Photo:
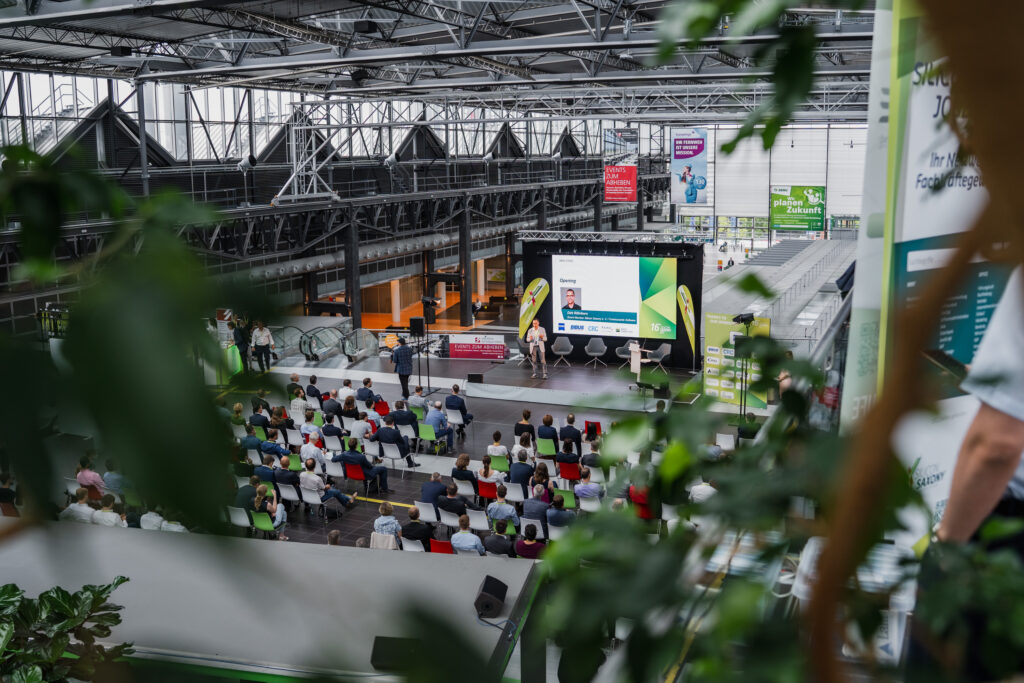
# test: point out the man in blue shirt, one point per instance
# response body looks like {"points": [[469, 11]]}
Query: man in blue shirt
{"points": [[586, 488], [271, 445], [520, 472], [249, 442], [499, 509], [436, 419], [366, 392], [402, 358], [390, 434], [464, 539], [455, 402], [265, 471], [370, 471], [433, 489]]}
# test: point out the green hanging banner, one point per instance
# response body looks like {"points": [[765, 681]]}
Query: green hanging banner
{"points": [[797, 207]]}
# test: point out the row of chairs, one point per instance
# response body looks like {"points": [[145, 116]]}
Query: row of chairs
{"points": [[596, 349]]}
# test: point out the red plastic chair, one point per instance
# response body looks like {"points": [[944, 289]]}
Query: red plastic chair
{"points": [[570, 471], [487, 489], [8, 510], [94, 493], [355, 473], [443, 547], [381, 408], [586, 426]]}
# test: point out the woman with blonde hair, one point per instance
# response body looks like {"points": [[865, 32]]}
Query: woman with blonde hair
{"points": [[236, 415], [386, 523], [269, 505]]}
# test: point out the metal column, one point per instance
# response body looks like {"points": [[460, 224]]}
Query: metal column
{"points": [[598, 213], [542, 211], [140, 94], [352, 292], [465, 266], [510, 285], [309, 291], [615, 222], [640, 211], [21, 109], [672, 213]]}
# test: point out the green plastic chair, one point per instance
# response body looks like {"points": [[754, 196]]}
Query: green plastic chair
{"points": [[510, 530], [546, 447], [500, 463], [569, 496], [418, 412], [131, 498], [295, 463], [260, 434], [262, 522], [318, 419], [427, 434]]}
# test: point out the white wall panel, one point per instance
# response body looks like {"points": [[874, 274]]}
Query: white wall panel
{"points": [[846, 151], [743, 178], [798, 156]]}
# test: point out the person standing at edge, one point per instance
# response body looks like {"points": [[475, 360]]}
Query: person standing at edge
{"points": [[240, 342], [401, 356], [262, 343], [535, 337]]}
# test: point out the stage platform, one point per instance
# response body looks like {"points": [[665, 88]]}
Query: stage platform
{"points": [[574, 385]]}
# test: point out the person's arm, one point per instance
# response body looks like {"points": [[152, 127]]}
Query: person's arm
{"points": [[271, 338], [989, 455]]}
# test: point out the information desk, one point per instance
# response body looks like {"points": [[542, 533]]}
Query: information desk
{"points": [[266, 607]]}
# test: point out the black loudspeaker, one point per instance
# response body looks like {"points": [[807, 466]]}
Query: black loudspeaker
{"points": [[491, 598], [394, 654], [416, 326], [743, 345], [475, 378], [430, 315], [120, 51]]}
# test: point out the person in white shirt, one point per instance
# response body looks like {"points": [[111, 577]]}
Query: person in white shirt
{"points": [[262, 343], [79, 511], [106, 516], [151, 521], [311, 481], [535, 337], [309, 427], [298, 407], [345, 391], [523, 446], [310, 451], [360, 428], [703, 491], [488, 473], [417, 399], [173, 525], [497, 449]]}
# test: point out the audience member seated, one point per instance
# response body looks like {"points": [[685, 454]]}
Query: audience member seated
{"points": [[330, 405], [309, 428], [704, 490], [266, 501], [259, 402], [455, 402], [498, 543], [372, 415], [349, 409], [436, 419], [537, 507], [370, 470], [593, 458], [245, 494], [283, 475], [500, 509], [417, 400], [541, 477], [416, 530], [80, 510], [366, 392], [271, 446], [390, 434], [521, 471], [404, 417], [311, 389], [497, 449], [433, 489], [222, 408], [524, 446], [586, 489], [346, 390], [386, 523], [154, 521], [547, 431], [236, 415], [361, 427], [88, 478], [488, 473], [454, 503], [568, 453], [106, 516], [525, 427], [528, 546], [558, 515], [293, 385], [311, 481], [249, 442], [570, 433], [171, 523], [278, 421], [331, 427], [591, 434], [113, 481], [299, 405], [258, 419], [461, 470], [310, 451], [749, 428], [464, 539], [265, 471], [334, 537]]}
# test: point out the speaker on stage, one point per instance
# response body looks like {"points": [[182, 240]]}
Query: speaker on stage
{"points": [[417, 327], [491, 598], [475, 378], [430, 315]]}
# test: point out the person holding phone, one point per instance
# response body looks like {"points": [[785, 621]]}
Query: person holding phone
{"points": [[535, 337]]}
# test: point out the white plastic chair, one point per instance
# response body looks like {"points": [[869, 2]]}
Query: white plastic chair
{"points": [[408, 432], [449, 519], [460, 551], [478, 520], [589, 504], [514, 493], [727, 442], [668, 512], [428, 513], [334, 470], [241, 481], [525, 521], [371, 448], [465, 488], [333, 443], [238, 430], [557, 532], [288, 492], [390, 452], [313, 500], [239, 517], [294, 437], [347, 422], [254, 457], [411, 546]]}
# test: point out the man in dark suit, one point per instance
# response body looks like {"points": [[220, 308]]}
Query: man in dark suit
{"points": [[567, 454], [570, 433], [498, 543], [283, 475], [455, 402], [366, 393], [548, 431], [402, 358], [520, 472], [292, 385], [454, 503], [331, 406], [403, 416], [265, 471], [370, 471], [241, 343], [417, 531], [331, 427], [389, 434], [245, 494], [259, 402], [432, 490], [311, 390]]}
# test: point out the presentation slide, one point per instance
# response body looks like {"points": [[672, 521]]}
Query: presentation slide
{"points": [[614, 296]]}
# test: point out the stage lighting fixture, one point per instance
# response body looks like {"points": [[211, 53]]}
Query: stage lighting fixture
{"points": [[489, 156], [393, 159], [246, 164], [359, 75], [556, 155], [744, 318]]}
